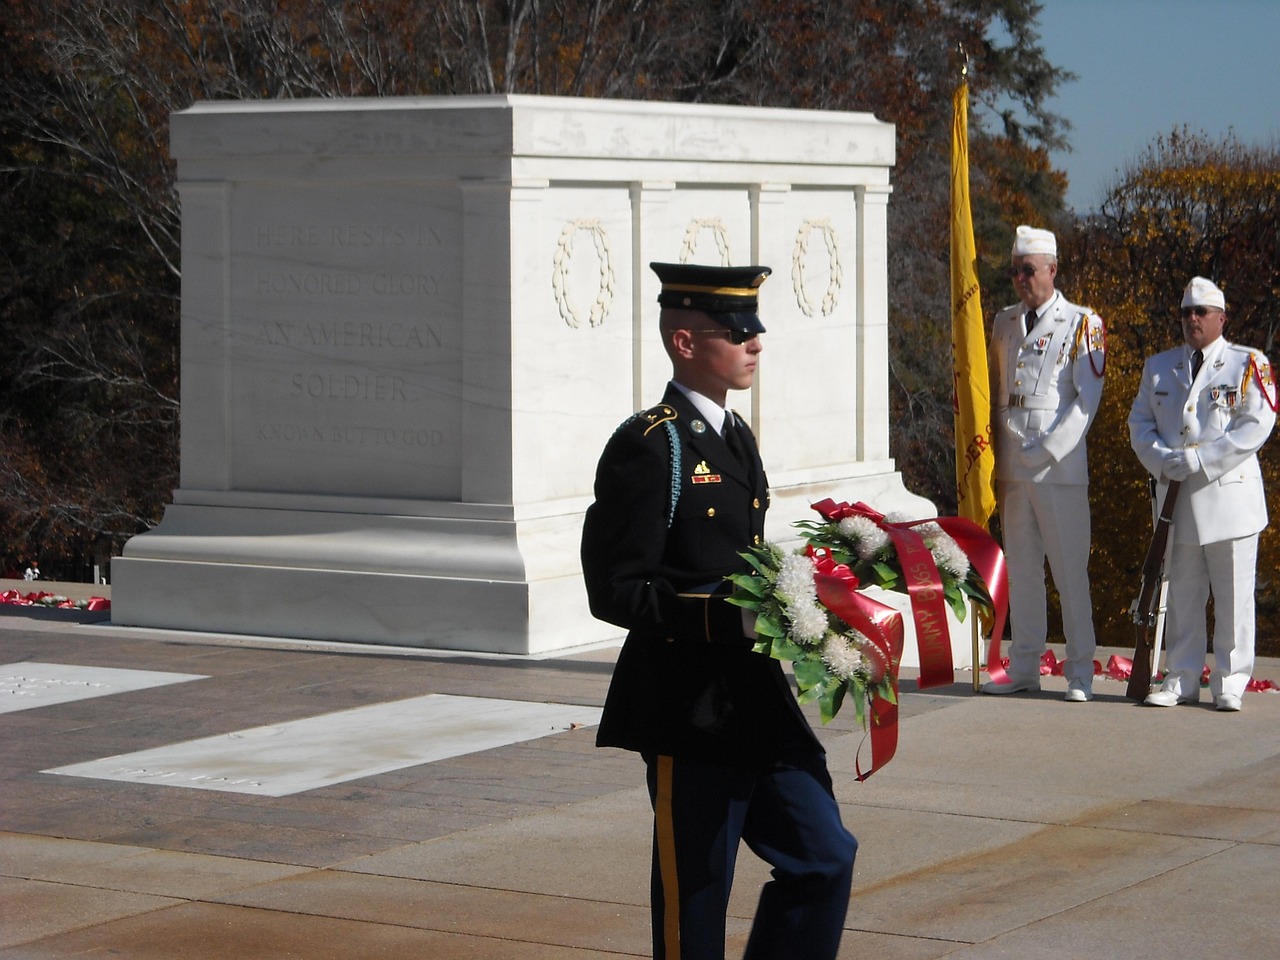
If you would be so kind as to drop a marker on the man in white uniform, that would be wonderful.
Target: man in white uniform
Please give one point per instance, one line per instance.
(1201, 414)
(1047, 359)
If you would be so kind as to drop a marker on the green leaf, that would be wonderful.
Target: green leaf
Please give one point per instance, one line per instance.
(884, 690)
(955, 599)
(785, 649)
(750, 586)
(758, 563)
(884, 572)
(829, 704)
(978, 593)
(767, 626)
(810, 672)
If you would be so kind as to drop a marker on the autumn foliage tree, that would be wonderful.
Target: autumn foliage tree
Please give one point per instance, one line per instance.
(89, 245)
(1188, 206)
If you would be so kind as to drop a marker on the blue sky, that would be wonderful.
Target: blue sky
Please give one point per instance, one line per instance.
(1147, 66)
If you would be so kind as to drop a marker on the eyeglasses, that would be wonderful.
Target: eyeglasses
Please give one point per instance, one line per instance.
(1199, 311)
(1026, 271)
(738, 337)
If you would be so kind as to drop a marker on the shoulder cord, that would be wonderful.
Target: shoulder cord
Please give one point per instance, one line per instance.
(1082, 337)
(1253, 368)
(674, 439)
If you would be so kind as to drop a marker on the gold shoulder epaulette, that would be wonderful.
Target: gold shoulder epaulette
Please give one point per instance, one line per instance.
(657, 415)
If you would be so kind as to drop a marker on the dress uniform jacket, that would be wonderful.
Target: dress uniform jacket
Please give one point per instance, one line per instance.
(671, 517)
(1046, 387)
(1225, 413)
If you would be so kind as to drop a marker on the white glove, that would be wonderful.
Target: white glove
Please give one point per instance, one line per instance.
(1180, 464)
(1032, 454)
(749, 625)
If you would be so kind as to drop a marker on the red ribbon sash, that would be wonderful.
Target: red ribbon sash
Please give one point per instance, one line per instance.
(924, 583)
(881, 624)
(988, 559)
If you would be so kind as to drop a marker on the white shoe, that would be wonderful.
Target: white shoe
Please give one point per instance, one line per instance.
(1078, 692)
(1012, 685)
(1226, 702)
(1167, 698)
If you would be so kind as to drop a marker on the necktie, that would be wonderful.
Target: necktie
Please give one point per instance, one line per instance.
(1197, 359)
(1028, 322)
(733, 438)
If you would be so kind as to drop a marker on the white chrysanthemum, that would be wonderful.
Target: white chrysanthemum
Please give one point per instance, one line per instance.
(867, 536)
(929, 531)
(898, 516)
(808, 623)
(948, 556)
(842, 658)
(794, 585)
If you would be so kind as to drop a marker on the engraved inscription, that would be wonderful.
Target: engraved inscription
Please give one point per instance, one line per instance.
(347, 386)
(346, 235)
(347, 362)
(17, 685)
(326, 284)
(350, 334)
(313, 434)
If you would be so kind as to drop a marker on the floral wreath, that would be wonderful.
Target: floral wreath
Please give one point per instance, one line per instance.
(841, 643)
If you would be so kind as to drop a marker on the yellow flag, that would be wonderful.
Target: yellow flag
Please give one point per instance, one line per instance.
(971, 399)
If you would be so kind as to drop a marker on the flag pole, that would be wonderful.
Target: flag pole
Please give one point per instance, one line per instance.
(975, 634)
(975, 457)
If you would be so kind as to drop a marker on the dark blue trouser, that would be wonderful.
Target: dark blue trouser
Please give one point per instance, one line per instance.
(787, 815)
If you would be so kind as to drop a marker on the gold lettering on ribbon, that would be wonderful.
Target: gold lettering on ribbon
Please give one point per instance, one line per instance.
(924, 587)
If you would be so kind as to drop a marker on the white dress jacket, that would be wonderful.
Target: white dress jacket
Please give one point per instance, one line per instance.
(1226, 414)
(1046, 387)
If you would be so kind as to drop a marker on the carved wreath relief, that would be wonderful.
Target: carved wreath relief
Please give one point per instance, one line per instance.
(718, 233)
(569, 311)
(799, 260)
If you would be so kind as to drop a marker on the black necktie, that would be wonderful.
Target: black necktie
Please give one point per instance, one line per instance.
(1197, 359)
(733, 438)
(1028, 322)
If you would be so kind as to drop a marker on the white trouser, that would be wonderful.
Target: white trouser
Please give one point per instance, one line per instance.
(1227, 569)
(1047, 520)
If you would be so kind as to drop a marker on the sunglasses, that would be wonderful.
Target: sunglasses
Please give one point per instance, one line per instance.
(738, 337)
(1198, 311)
(1026, 270)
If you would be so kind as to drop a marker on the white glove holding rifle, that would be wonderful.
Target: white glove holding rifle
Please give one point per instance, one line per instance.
(1180, 464)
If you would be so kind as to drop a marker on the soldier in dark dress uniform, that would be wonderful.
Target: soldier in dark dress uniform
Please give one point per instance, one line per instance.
(680, 494)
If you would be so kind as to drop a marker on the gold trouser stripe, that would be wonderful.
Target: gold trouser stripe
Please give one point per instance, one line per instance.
(666, 840)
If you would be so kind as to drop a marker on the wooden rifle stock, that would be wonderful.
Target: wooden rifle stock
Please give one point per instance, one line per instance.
(1145, 608)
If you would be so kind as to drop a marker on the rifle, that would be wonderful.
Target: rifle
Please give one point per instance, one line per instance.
(1146, 607)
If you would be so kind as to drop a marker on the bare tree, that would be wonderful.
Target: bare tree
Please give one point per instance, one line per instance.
(89, 245)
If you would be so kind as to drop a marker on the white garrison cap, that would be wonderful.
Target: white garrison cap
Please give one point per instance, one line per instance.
(1203, 293)
(1031, 240)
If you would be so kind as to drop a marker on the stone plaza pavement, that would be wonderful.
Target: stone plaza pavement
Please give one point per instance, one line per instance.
(1020, 826)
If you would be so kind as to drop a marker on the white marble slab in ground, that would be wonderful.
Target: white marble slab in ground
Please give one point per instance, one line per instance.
(288, 758)
(29, 684)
